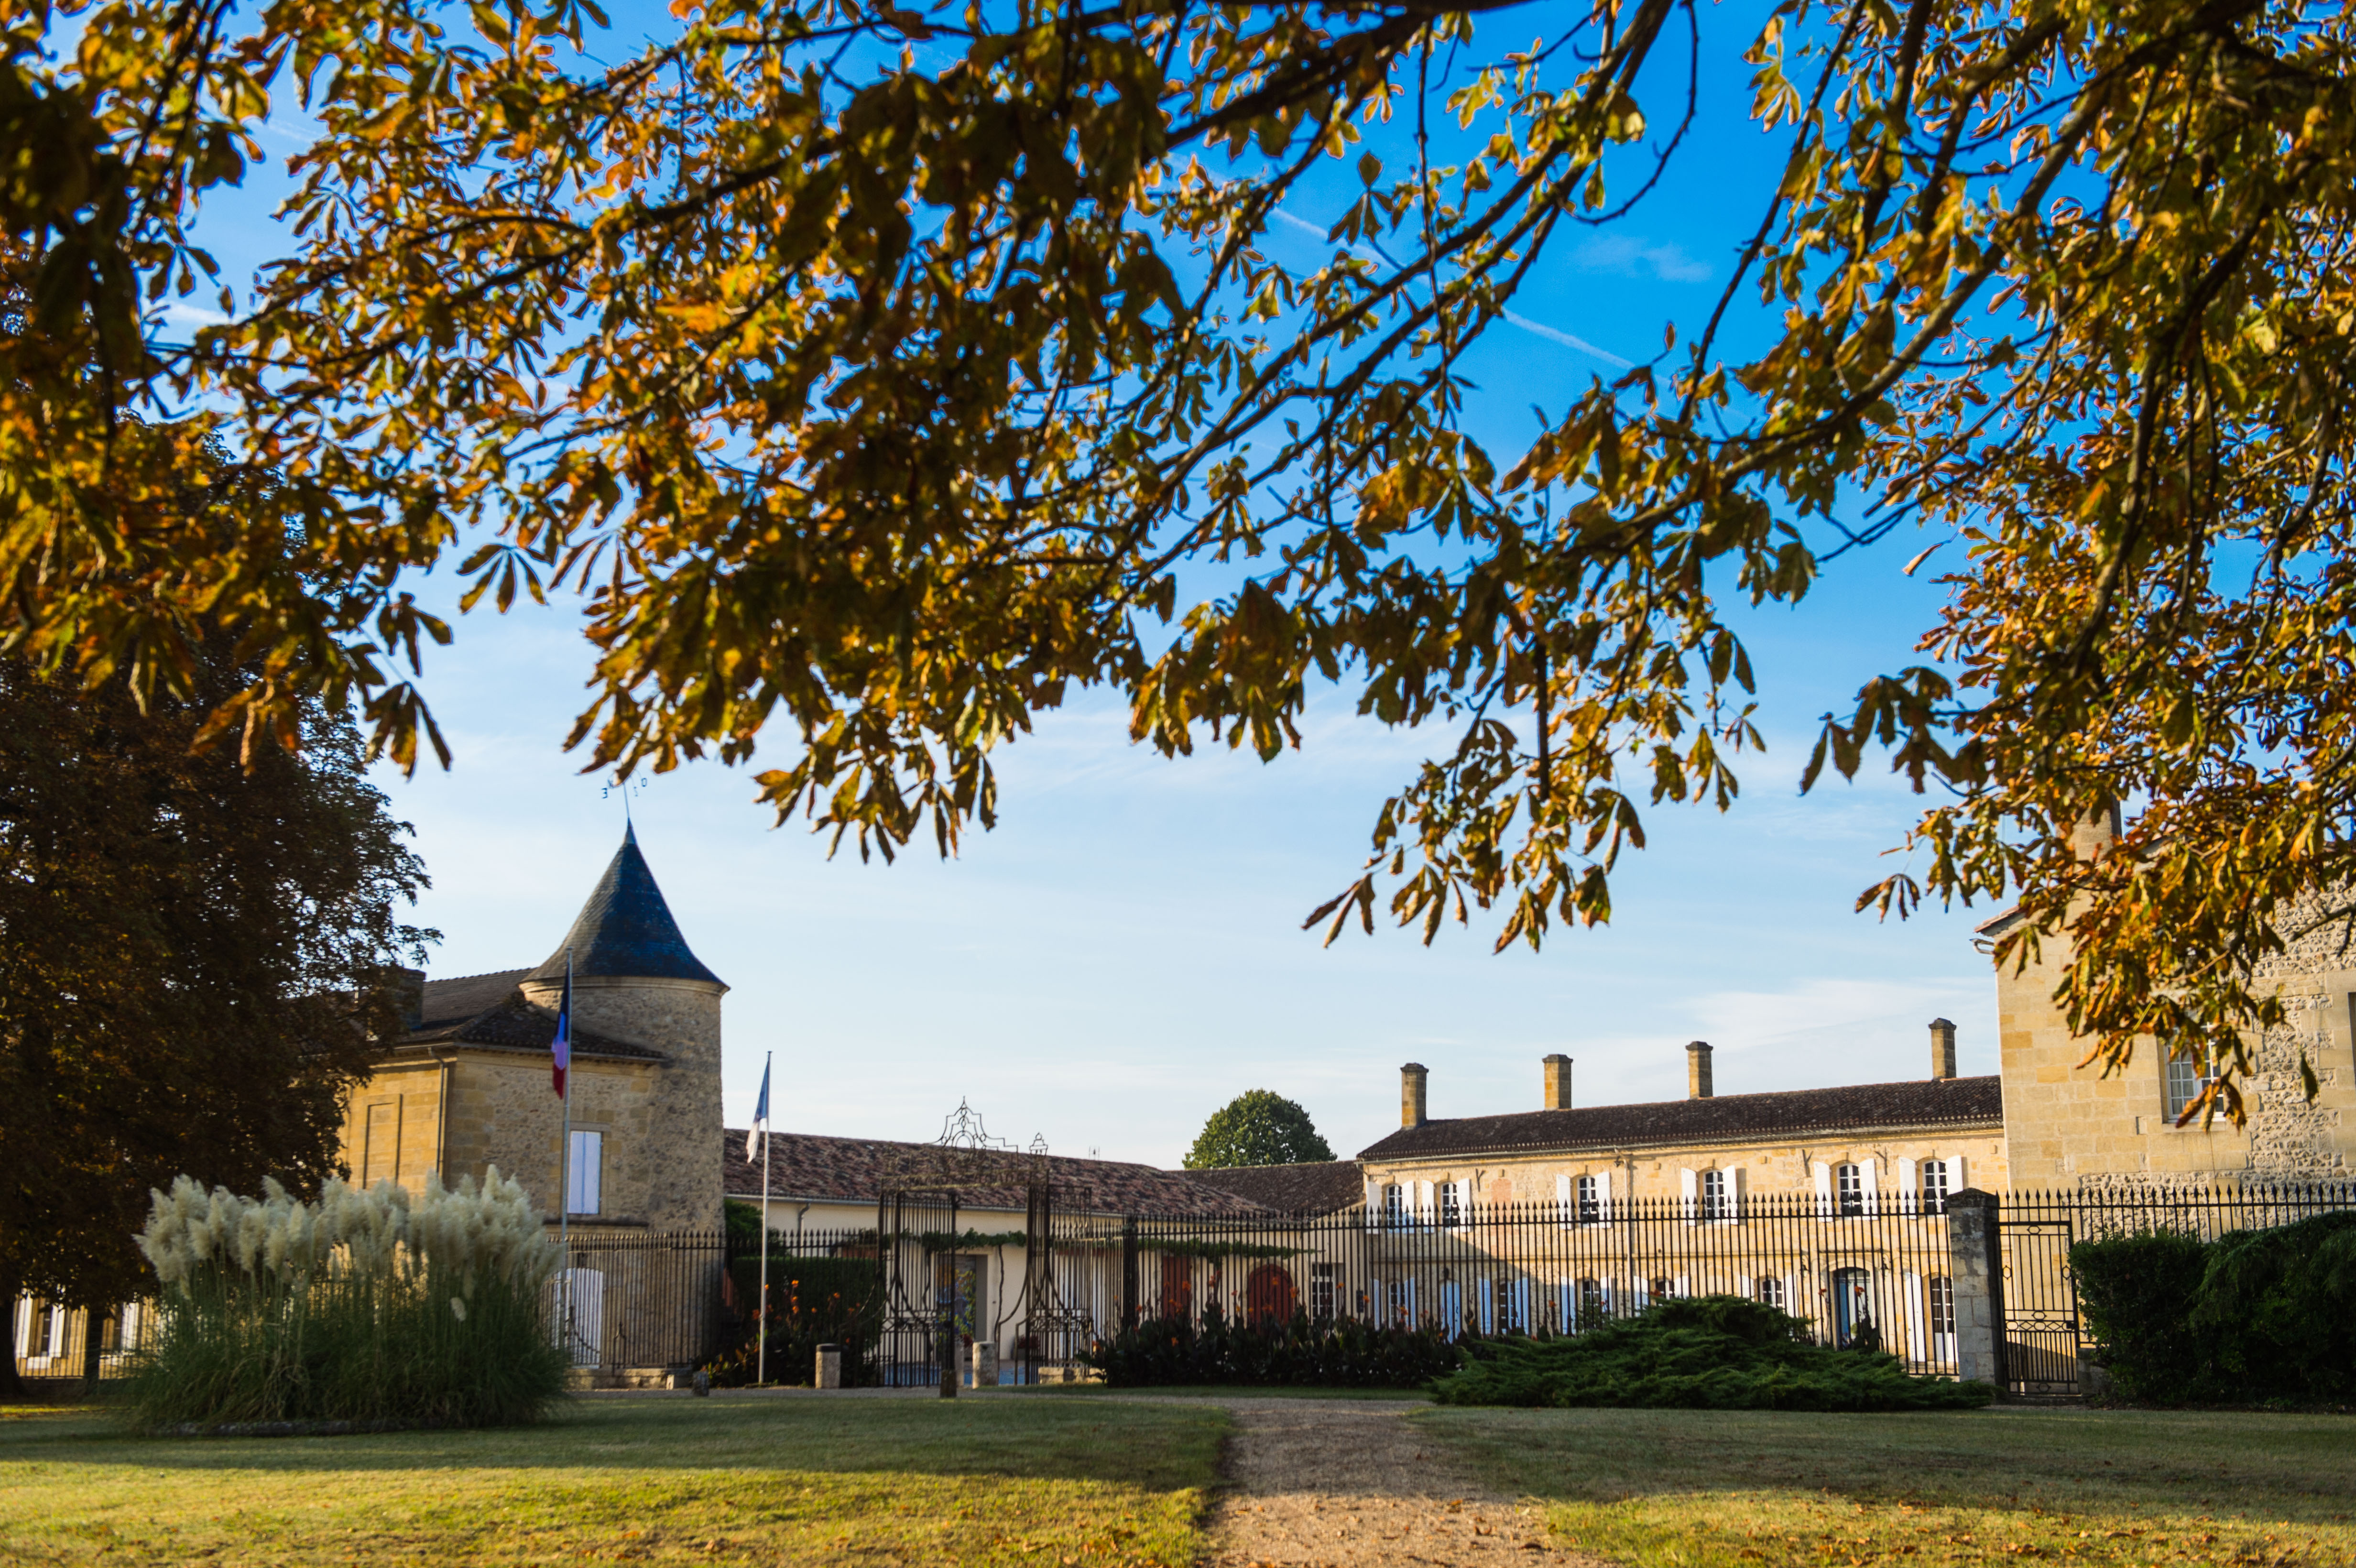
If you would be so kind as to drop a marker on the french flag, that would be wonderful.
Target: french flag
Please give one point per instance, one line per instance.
(561, 1061)
(760, 1128)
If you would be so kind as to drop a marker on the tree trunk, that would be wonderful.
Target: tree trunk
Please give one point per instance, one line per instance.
(11, 1385)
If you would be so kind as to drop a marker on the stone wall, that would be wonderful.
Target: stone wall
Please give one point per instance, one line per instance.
(2081, 1125)
(504, 1112)
(392, 1125)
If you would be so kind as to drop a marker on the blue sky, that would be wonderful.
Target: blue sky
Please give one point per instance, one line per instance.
(1125, 953)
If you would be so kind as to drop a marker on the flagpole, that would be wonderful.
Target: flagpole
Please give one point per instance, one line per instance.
(564, 1160)
(761, 1375)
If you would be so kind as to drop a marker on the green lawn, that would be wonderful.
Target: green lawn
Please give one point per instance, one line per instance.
(1213, 1390)
(1723, 1489)
(664, 1478)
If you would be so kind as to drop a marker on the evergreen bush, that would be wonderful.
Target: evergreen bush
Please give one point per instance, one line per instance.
(2254, 1318)
(2136, 1292)
(1709, 1352)
(365, 1306)
(1302, 1352)
(2278, 1309)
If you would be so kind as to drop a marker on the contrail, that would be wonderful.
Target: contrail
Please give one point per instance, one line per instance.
(1535, 328)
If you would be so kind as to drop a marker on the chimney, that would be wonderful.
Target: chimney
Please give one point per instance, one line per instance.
(2095, 830)
(1558, 1082)
(1698, 1070)
(1411, 1100)
(411, 989)
(1943, 1049)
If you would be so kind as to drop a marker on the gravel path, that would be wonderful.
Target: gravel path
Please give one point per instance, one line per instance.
(1351, 1484)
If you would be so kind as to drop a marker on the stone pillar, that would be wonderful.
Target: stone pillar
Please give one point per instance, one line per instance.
(1412, 1101)
(830, 1366)
(985, 1364)
(1975, 1264)
(1943, 1049)
(1698, 1086)
(1558, 1082)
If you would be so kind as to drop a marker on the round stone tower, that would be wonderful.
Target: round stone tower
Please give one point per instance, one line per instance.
(635, 980)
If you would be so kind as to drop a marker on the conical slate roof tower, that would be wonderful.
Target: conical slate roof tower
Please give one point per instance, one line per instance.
(626, 930)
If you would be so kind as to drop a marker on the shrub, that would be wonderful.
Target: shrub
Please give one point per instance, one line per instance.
(1299, 1353)
(364, 1306)
(812, 1302)
(1709, 1352)
(2138, 1293)
(2254, 1318)
(2278, 1309)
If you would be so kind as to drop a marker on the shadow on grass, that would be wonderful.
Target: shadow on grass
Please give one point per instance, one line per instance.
(2245, 1466)
(1157, 1446)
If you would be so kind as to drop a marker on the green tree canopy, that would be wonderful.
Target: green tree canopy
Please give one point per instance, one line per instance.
(194, 957)
(878, 373)
(1257, 1128)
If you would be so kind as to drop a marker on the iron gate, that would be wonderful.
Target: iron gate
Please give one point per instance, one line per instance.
(2039, 1356)
(929, 1301)
(1059, 1324)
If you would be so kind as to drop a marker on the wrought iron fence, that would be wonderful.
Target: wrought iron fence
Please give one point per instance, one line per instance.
(646, 1300)
(2041, 1349)
(1876, 1275)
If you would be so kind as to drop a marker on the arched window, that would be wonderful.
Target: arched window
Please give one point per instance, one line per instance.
(1770, 1291)
(1590, 1203)
(1934, 1185)
(1849, 1182)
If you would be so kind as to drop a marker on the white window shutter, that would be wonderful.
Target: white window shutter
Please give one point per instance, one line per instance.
(1824, 1175)
(1915, 1348)
(1865, 1169)
(1956, 1179)
(1684, 1287)
(1374, 1204)
(1610, 1297)
(1566, 1202)
(1742, 1286)
(1738, 1189)
(1426, 1205)
(1690, 1183)
(1603, 1196)
(1909, 1198)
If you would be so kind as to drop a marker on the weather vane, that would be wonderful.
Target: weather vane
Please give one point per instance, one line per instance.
(624, 789)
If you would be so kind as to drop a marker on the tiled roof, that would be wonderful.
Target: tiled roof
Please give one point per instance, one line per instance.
(805, 1166)
(1318, 1187)
(456, 1000)
(513, 1024)
(626, 930)
(1922, 1103)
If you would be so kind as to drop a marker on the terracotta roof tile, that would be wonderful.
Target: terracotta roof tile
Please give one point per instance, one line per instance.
(1318, 1187)
(805, 1165)
(1924, 1103)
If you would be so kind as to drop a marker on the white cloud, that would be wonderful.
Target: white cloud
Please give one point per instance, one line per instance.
(1630, 257)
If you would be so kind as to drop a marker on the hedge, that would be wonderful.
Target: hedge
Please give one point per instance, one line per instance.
(2255, 1316)
(1708, 1352)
